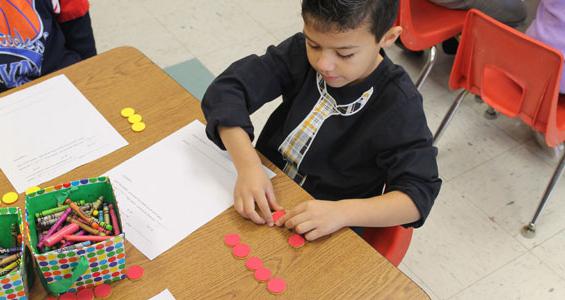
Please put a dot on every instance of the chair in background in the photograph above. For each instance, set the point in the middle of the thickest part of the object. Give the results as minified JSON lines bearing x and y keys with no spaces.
{"x":390,"y":242}
{"x":517,"y":76}
{"x":424,"y":26}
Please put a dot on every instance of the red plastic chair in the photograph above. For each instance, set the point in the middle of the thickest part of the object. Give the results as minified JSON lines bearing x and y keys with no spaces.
{"x":517,"y":76}
{"x":390,"y":242}
{"x":424,"y":26}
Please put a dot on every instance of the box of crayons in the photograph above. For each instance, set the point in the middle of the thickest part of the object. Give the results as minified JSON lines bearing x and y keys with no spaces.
{"x":15,"y":260}
{"x":75,"y":235}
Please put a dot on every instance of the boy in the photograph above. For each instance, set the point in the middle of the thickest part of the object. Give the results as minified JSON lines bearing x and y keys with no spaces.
{"x":351,"y":122}
{"x":38,"y":37}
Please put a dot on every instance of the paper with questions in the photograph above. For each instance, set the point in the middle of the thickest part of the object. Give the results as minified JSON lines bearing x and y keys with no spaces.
{"x":164,"y":295}
{"x":172,"y":188}
{"x":48,"y":129}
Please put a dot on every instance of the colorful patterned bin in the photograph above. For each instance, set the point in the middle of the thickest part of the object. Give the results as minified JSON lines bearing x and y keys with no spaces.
{"x":14,"y":285}
{"x":103,"y":262}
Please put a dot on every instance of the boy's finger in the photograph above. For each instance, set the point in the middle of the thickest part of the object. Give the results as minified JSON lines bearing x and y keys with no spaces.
{"x":273,"y":200}
{"x":238,"y":206}
{"x":296,"y":220}
{"x":290,"y":214}
{"x":314,"y":234}
{"x":304,"y":227}
{"x":249,"y":207}
{"x":264,"y":208}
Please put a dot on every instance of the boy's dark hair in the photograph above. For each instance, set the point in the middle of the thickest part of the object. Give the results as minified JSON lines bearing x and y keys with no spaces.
{"x":345,"y":15}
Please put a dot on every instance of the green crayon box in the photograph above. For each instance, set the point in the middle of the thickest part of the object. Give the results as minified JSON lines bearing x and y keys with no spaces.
{"x":62,"y":270}
{"x":14,"y":281}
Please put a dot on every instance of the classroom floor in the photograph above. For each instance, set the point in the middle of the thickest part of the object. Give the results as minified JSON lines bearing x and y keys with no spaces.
{"x":493,"y":170}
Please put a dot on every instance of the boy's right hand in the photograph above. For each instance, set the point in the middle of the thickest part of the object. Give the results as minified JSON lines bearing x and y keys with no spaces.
{"x":254,"y":188}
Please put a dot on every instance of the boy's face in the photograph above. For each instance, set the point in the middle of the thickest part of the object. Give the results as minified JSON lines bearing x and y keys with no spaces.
{"x":342,"y":57}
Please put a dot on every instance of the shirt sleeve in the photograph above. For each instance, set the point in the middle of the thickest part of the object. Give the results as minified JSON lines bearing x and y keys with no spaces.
{"x":79,"y":36}
{"x":249,"y":83}
{"x":68,"y":10}
{"x":410,"y":157}
{"x":74,"y":20}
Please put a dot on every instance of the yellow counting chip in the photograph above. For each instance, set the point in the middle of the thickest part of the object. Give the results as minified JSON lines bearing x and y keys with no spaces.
{"x":10,"y":197}
{"x":138,"y":127}
{"x":127,"y":112}
{"x":32,"y":190}
{"x":135,"y":119}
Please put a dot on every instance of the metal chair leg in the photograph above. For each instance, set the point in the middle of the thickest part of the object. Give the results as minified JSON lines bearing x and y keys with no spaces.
{"x":427,"y":67}
{"x":449,"y":115}
{"x":491,"y":114}
{"x":529,"y":231}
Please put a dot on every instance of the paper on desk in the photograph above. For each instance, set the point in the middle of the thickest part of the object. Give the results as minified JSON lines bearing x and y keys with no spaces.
{"x":164,"y":295}
{"x":172,"y":188}
{"x":49,"y":129}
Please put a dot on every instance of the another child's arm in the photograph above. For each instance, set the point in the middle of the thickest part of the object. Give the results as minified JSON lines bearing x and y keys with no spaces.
{"x":252,"y":185}
{"x":74,"y":19}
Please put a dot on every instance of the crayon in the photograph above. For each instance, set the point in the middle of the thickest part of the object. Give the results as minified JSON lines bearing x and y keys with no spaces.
{"x":85,"y":227}
{"x":114,"y":220}
{"x":55,"y":227}
{"x":83,"y":238}
{"x":75,"y":246}
{"x":100,"y":216}
{"x":48,"y":221}
{"x":8,"y":259}
{"x":106,"y":214}
{"x":8,"y":251}
{"x":57,"y":236}
{"x":56,"y":209}
{"x":67,"y":243}
{"x":9,"y":268}
{"x":79,"y":211}
{"x":96,"y":204}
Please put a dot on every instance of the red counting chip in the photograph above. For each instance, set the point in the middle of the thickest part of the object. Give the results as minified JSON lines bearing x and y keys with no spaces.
{"x":134,"y":272}
{"x":68,"y":296}
{"x":278,"y":214}
{"x":276,"y":286}
{"x":231,"y":239}
{"x":103,"y":291}
{"x":296,"y":241}
{"x":85,"y":294}
{"x":241,"y":250}
{"x":262,"y":274}
{"x":253,"y":263}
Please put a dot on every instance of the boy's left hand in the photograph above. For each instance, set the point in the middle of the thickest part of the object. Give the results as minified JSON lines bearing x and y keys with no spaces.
{"x":316,"y":218}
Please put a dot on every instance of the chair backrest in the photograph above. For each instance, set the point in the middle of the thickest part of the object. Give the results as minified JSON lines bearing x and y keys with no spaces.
{"x":390,"y":242}
{"x":515,"y":74}
{"x":426,"y":24}
{"x":556,"y":122}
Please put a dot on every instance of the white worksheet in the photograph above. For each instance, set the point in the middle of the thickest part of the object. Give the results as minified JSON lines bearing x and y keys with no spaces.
{"x":164,"y":295}
{"x":172,"y":188}
{"x":49,"y":129}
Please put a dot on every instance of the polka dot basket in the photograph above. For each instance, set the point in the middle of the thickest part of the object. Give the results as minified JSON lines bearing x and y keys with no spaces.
{"x":106,"y":260}
{"x":13,"y":285}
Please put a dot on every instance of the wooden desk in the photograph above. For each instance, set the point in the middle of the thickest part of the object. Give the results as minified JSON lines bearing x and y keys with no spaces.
{"x":342,"y":266}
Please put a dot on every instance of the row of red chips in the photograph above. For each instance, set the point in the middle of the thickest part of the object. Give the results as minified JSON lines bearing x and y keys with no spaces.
{"x":262,"y":274}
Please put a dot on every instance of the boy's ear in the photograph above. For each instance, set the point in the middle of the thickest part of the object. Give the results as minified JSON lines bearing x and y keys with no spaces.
{"x":390,"y":36}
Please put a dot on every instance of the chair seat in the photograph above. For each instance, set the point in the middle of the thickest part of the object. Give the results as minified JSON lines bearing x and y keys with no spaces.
{"x":390,"y":242}
{"x":432,"y":24}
